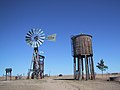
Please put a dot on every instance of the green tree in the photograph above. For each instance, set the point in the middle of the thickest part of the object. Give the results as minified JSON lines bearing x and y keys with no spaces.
{"x":102,"y":66}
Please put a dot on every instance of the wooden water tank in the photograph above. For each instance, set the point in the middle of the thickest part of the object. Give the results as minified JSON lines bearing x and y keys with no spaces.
{"x":82,"y":45}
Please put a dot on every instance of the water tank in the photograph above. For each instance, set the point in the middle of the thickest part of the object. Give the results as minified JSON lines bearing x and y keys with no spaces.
{"x":82,"y":45}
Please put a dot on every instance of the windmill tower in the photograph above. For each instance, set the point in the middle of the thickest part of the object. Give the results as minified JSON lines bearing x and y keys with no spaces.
{"x":35,"y":38}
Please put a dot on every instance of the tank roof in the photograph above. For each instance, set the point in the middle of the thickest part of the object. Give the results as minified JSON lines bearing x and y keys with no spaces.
{"x":81,"y":35}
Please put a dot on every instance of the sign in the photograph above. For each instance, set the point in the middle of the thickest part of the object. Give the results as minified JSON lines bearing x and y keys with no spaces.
{"x":51,"y":37}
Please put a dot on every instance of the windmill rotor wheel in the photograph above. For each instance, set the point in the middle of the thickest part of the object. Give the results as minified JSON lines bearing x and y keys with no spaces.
{"x":35,"y":37}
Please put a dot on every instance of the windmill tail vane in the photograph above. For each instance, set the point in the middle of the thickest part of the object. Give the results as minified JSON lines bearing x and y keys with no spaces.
{"x":51,"y":37}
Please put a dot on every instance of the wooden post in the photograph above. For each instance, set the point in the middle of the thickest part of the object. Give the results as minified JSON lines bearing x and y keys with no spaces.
{"x":6,"y":75}
{"x":78,"y":75}
{"x":86,"y":64}
{"x":79,"y":67}
{"x":74,"y":67}
{"x":82,"y":68}
{"x":93,"y":75}
{"x":10,"y":75}
{"x":90,"y":68}
{"x":43,"y":67}
{"x":28,"y":74}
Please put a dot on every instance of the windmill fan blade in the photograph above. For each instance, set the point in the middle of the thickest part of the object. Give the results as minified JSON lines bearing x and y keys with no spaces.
{"x":36,"y":30}
{"x":26,"y":40}
{"x":27,"y":37}
{"x":30,"y":43}
{"x":51,"y":37}
{"x":30,"y":33}
{"x":42,"y":37}
{"x":39,"y":31}
{"x":40,"y":42}
{"x":34,"y":44}
{"x":33,"y":31}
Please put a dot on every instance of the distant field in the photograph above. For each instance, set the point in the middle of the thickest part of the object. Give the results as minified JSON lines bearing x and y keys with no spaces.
{"x":97,"y":76}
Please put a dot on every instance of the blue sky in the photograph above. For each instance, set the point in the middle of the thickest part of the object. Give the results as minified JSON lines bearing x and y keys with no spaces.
{"x":99,"y":18}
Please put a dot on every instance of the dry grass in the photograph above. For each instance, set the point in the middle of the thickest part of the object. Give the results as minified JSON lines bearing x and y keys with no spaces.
{"x":59,"y":83}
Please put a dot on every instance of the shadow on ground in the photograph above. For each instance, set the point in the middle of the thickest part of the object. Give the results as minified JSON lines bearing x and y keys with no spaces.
{"x":63,"y":79}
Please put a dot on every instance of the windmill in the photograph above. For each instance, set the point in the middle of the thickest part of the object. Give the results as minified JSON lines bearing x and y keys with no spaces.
{"x":35,"y":38}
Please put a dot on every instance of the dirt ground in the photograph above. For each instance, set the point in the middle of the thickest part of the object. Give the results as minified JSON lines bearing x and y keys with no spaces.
{"x":59,"y":83}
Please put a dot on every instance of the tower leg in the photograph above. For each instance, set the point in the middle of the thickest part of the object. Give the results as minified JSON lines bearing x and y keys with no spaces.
{"x":90,"y":68}
{"x":6,"y":75}
{"x":93,"y":74}
{"x":74,"y":67}
{"x":79,"y":67}
{"x":10,"y":75}
{"x":43,"y":68}
{"x":86,"y":65}
{"x":28,"y":77}
{"x":82,"y":68}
